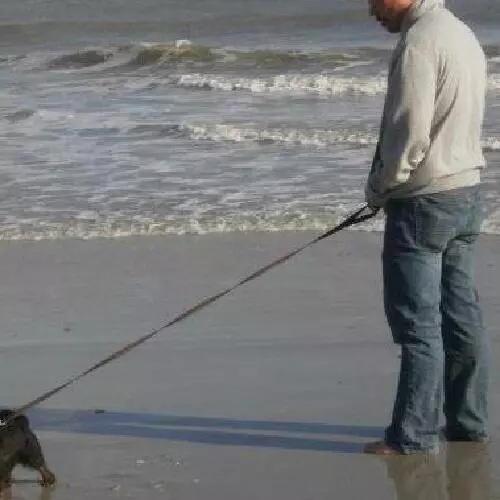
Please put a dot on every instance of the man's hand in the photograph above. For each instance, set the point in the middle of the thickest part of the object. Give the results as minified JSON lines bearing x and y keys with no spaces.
{"x":373,"y":198}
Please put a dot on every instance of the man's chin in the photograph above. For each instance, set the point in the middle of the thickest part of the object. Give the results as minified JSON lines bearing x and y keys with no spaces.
{"x":391,"y":28}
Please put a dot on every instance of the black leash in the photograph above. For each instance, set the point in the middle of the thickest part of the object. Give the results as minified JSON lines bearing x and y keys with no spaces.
{"x":360,"y":215}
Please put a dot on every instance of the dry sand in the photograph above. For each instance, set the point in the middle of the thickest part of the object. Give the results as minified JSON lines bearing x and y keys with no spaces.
{"x":268,"y":394}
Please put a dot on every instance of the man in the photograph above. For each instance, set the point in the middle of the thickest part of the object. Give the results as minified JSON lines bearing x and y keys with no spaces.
{"x":426,"y":175}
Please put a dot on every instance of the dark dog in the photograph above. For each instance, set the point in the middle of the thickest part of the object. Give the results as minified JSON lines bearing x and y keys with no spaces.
{"x":20,"y":446}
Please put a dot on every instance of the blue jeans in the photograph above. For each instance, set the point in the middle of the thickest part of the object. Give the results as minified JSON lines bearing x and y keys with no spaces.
{"x":432,"y":308}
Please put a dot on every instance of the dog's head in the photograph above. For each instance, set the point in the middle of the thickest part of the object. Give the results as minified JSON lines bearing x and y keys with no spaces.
{"x":9,"y":417}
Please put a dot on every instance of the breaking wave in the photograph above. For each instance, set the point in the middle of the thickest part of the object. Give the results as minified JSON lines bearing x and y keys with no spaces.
{"x":184,"y":51}
{"x":284,"y":135}
{"x":80,"y":59}
{"x":193,"y":66}
{"x":240,"y":133}
{"x":321,"y":83}
{"x":314,"y":83}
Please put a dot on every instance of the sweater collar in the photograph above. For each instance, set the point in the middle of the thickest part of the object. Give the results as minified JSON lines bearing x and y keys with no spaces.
{"x":417,"y":10}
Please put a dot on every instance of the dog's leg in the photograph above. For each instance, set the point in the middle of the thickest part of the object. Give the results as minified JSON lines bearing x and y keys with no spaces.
{"x":6,"y":474}
{"x":48,"y":477}
{"x":32,"y":457}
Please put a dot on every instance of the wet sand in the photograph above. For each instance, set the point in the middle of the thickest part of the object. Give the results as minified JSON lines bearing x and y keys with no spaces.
{"x":270,"y":393}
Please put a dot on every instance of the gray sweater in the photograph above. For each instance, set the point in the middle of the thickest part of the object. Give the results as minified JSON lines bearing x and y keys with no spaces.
{"x":433,"y":113}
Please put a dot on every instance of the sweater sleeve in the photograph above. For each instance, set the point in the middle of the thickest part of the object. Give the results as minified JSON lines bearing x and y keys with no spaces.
{"x":409,"y":113}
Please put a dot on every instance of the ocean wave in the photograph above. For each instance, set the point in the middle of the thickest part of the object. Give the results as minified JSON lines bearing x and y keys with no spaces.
{"x":267,"y":58}
{"x":139,"y":54}
{"x":232,"y":132}
{"x":323,"y":84}
{"x":80,"y":59}
{"x":287,"y":135}
{"x":278,"y":135}
{"x":133,"y":56}
{"x":184,"y":51}
{"x":148,"y":53}
{"x":241,"y":133}
{"x":320,"y":83}
{"x":223,"y":69}
{"x":180,"y":51}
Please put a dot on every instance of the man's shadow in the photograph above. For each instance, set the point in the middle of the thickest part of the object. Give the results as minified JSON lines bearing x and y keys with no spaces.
{"x":460,"y":472}
{"x":208,"y":430}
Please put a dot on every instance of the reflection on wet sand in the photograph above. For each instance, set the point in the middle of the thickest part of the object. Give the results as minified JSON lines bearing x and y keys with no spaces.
{"x":45,"y":493}
{"x":461,"y":472}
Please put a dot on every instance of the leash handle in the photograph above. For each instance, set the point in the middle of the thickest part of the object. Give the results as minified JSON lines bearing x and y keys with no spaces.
{"x":360,"y":215}
{"x":364,"y":213}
